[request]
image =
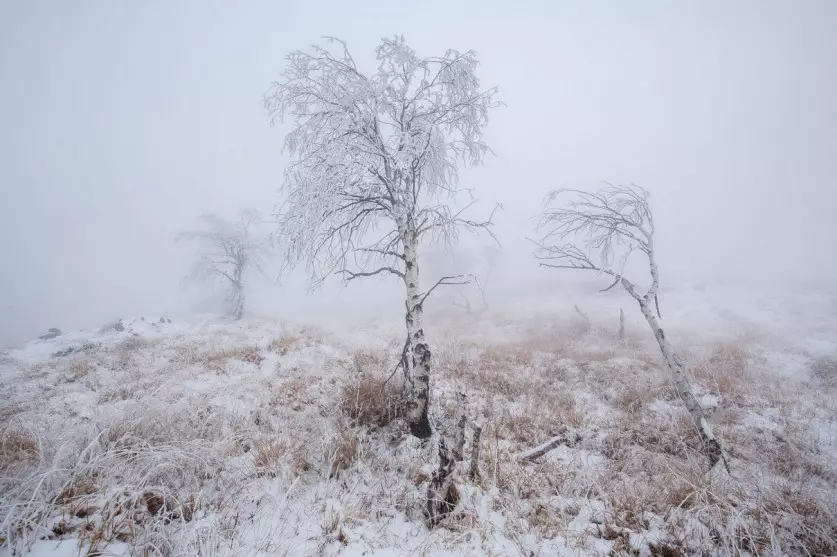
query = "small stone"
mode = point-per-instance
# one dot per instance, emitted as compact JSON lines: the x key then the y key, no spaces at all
{"x":51,"y":333}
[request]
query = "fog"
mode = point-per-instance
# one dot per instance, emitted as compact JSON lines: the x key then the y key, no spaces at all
{"x":122,"y":122}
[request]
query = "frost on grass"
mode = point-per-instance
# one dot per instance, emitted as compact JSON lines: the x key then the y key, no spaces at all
{"x":215,"y":438}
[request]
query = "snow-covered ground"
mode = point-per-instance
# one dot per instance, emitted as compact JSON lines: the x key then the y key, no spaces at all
{"x":199,"y":436}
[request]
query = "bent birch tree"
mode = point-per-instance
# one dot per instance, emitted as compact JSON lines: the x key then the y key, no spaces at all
{"x":374,"y":172}
{"x":608,"y":226}
{"x":229,"y":250}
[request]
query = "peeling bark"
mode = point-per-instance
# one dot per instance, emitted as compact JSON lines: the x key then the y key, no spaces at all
{"x":417,"y":353}
{"x":442,"y":494}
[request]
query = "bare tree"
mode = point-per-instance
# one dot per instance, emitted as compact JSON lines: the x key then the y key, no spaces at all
{"x":229,"y":250}
{"x":374,"y":172}
{"x":483,"y":261}
{"x":599,"y":232}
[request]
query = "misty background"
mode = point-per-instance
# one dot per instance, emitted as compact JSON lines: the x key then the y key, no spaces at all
{"x":120,"y":123}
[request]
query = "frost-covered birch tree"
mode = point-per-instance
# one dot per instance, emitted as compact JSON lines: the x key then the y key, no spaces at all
{"x":599,"y":232}
{"x":229,"y":250}
{"x":373,"y":173}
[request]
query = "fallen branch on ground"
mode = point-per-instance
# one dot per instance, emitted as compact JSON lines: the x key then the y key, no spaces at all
{"x":569,"y":439}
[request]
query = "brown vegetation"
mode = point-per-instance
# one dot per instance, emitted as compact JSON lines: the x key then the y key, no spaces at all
{"x":371,"y":401}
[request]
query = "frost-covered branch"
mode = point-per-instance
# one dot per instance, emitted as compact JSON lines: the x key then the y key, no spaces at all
{"x":373,"y":151}
{"x":373,"y":171}
{"x":444,"y":225}
{"x":350,"y":275}
{"x":611,"y":223}
{"x":452,"y":280}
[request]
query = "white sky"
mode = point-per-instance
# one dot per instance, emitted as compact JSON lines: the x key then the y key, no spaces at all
{"x":120,"y":122}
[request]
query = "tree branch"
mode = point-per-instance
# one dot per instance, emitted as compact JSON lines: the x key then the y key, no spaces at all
{"x":352,"y":275}
{"x":444,"y":281}
{"x":569,"y":439}
{"x":383,"y":252}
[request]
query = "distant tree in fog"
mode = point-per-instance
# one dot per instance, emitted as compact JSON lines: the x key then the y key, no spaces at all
{"x":483,"y":261}
{"x":374,"y":172}
{"x":229,"y":251}
{"x":599,"y":232}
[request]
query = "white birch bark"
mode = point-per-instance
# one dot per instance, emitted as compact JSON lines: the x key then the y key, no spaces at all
{"x":619,"y":217}
{"x":684,"y":389}
{"x":418,"y":352}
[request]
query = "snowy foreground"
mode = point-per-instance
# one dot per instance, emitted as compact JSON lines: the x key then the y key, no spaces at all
{"x":204,"y":437}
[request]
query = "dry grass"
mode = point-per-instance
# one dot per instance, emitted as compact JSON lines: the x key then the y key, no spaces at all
{"x":675,"y":437}
{"x":127,"y":351}
{"x":365,"y":360}
{"x":78,"y":487}
{"x":267,"y":457}
{"x":726,"y":368}
{"x":538,"y":417}
{"x":17,"y":445}
{"x":495,"y":369}
{"x":637,"y":467}
{"x":824,"y":369}
{"x":119,"y":392}
{"x":80,"y":367}
{"x":634,"y":399}
{"x":342,"y":452}
{"x":283,"y":344}
{"x":185,"y":353}
{"x":292,"y":392}
{"x":217,"y":359}
{"x":371,"y":401}
{"x":134,"y":343}
{"x":289,"y":342}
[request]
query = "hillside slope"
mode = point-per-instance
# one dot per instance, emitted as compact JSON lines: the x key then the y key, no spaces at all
{"x":206,"y":437}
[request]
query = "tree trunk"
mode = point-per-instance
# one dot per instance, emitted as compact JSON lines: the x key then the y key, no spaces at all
{"x":459,"y":441}
{"x":418,"y":355}
{"x":584,"y":318}
{"x":442,"y":494}
{"x":474,"y":472}
{"x":237,"y":301}
{"x":684,"y":389}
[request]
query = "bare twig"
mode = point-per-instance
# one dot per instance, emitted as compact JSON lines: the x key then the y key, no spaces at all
{"x":451,"y":280}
